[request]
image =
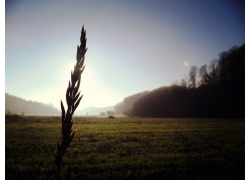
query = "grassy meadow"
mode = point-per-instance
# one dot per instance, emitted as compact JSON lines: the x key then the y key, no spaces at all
{"x":127,"y":148}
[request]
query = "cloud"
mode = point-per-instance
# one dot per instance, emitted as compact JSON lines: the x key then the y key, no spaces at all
{"x":185,"y":63}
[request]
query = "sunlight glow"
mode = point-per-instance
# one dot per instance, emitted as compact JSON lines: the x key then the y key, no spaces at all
{"x":95,"y":93}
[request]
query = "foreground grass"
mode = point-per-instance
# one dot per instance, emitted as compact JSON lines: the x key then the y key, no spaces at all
{"x":128,"y":148}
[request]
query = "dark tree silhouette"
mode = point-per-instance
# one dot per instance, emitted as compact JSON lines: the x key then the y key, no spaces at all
{"x":192,"y":76}
{"x":184,"y":83}
{"x":213,"y":71}
{"x":205,"y":78}
{"x":220,"y":94}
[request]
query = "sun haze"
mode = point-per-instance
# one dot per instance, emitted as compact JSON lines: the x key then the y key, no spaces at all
{"x":133,"y":46}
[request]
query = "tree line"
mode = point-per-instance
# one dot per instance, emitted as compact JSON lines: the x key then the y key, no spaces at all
{"x":216,"y":90}
{"x":128,"y":102}
{"x":16,"y":105}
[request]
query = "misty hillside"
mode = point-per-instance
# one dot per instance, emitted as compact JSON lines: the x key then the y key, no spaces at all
{"x":16,"y":105}
{"x":93,"y":111}
{"x":128,"y":102}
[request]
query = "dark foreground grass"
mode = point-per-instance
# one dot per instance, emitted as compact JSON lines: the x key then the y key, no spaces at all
{"x":128,"y":148}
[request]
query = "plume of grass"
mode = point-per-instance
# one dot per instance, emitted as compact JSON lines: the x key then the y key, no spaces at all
{"x":73,"y":99}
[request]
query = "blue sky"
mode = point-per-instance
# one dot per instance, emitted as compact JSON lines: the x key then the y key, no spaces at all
{"x":133,"y":46}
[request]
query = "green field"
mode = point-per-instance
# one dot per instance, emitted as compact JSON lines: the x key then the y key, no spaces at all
{"x":128,"y":148}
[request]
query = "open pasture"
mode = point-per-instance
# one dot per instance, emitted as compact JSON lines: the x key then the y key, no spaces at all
{"x":128,"y":148}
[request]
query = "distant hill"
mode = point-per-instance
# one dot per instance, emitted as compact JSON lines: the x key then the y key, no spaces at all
{"x":17,"y":105}
{"x":93,"y":111}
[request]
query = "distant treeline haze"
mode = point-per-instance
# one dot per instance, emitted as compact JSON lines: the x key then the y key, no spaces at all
{"x":220,"y":92}
{"x":16,"y":105}
{"x":128,"y":102}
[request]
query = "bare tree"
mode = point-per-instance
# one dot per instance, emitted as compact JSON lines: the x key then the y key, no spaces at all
{"x":192,"y":76}
{"x":214,"y":71}
{"x":184,"y":83}
{"x":203,"y":73}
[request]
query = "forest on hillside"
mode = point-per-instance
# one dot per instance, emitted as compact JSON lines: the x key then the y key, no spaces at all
{"x":16,"y":105}
{"x":216,"y":90}
{"x":128,"y":102}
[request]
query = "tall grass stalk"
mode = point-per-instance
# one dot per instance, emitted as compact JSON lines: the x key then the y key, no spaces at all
{"x":73,"y":99}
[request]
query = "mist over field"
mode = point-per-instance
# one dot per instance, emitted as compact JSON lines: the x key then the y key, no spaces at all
{"x":19,"y":106}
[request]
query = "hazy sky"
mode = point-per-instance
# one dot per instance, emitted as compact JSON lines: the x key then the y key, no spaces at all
{"x":133,"y":46}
